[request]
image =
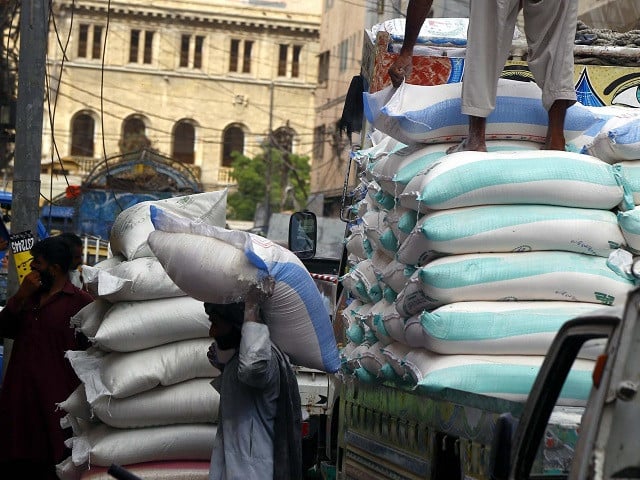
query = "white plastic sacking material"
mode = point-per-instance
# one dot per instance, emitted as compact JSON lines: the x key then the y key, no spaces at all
{"x":504,"y":376}
{"x":512,"y":228}
{"x":353,"y":327}
{"x":110,"y":262}
{"x":498,"y":328}
{"x":374,"y":226}
{"x":102,"y":445}
{"x":89,"y":318}
{"x":544,"y":177}
{"x":396,"y":274}
{"x":630,"y":174}
{"x":215,"y":265}
{"x":381,"y":199}
{"x":432,"y":114}
{"x":375,"y":321}
{"x":76,"y":405}
{"x":395,"y":353}
{"x":400,"y":166}
{"x":387,"y":323}
{"x":396,"y":170}
{"x":357,"y":243}
{"x":192,"y":401}
{"x":345,"y":357}
{"x":414,"y":334}
{"x":121,"y":375}
{"x":618,"y":140}
{"x":131,"y":326}
{"x":132,"y":226}
{"x":383,"y":144}
{"x":629,"y":222}
{"x":143,"y":278}
{"x":372,"y":360}
{"x":401,"y":220}
{"x":557,"y":276}
{"x":362,"y":283}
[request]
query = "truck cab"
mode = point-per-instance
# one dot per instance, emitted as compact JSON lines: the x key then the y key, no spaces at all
{"x":608,"y":443}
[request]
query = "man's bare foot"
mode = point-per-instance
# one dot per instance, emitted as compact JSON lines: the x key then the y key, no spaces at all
{"x":554,"y":143}
{"x":468,"y":145}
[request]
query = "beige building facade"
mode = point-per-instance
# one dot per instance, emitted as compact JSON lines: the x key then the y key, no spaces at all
{"x":197,"y":79}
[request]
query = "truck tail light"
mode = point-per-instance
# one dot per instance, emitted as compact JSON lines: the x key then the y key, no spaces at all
{"x":306,"y":428}
{"x":598,"y":370}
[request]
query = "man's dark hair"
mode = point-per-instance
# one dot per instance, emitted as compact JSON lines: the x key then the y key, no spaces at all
{"x":54,"y":250}
{"x":231,"y":312}
{"x":72,"y":239}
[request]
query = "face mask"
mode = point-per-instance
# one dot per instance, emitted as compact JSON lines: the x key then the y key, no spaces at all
{"x":230,"y":340}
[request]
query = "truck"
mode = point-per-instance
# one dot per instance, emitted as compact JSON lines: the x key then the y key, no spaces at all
{"x":384,"y":431}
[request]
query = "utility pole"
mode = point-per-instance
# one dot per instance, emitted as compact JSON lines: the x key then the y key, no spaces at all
{"x":34,"y":21}
{"x":269,"y":160}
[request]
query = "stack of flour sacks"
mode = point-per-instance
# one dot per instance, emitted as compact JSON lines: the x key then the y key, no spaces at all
{"x":464,"y":266}
{"x":145,"y":395}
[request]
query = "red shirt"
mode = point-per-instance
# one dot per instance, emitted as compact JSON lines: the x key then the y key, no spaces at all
{"x":38,"y":376}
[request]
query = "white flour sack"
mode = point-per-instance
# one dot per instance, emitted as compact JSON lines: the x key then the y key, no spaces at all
{"x":89,"y":318}
{"x":522,"y":276}
{"x":509,"y":377}
{"x":432,"y":114}
{"x":394,"y":171}
{"x":121,"y":375}
{"x":512,"y":228}
{"x":102,"y":445}
{"x":497,"y":328}
{"x":193,"y":401}
{"x":131,"y":326}
{"x":216,"y":265}
{"x":132,"y":226}
{"x":143,"y":278}
{"x":542,"y":177}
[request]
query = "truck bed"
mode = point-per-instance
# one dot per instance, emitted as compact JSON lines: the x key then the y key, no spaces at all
{"x":393,"y":433}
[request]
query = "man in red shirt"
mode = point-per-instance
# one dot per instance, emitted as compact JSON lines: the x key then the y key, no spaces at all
{"x":38,"y":375}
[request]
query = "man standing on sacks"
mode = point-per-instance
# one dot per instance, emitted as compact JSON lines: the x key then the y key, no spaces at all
{"x":259,"y":428}
{"x":550,"y":27}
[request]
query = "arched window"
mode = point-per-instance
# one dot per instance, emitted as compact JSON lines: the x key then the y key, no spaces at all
{"x":184,"y":141}
{"x":233,"y":141}
{"x":134,"y":137}
{"x":82,"y":131}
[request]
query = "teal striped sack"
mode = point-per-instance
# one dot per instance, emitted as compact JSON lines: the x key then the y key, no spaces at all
{"x":511,"y":228}
{"x":542,"y":177}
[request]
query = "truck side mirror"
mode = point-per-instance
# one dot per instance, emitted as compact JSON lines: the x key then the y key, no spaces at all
{"x":303,"y":234}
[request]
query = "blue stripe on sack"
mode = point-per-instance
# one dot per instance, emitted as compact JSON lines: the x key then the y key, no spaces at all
{"x":506,"y":379}
{"x":490,"y":172}
{"x":488,"y":268}
{"x":298,"y":279}
{"x":509,"y":110}
{"x":463,"y":223}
